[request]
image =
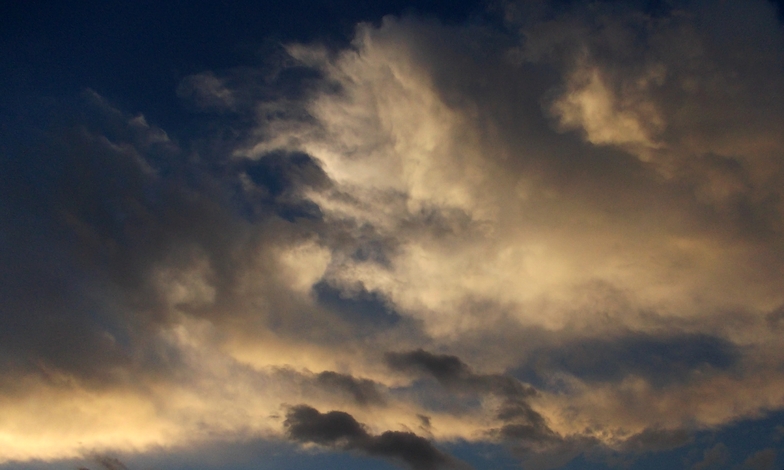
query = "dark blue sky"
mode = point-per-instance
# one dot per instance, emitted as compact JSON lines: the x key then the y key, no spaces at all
{"x":136,"y":53}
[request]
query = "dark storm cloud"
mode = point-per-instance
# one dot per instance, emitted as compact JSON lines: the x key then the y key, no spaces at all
{"x":340,"y":430}
{"x":662,"y":360}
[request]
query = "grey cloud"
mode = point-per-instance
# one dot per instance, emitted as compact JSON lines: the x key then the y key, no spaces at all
{"x":453,"y":373}
{"x":425,"y":420}
{"x":104,"y":209}
{"x":368,"y":310}
{"x":107,"y":463}
{"x":61,"y":223}
{"x":778,"y":433}
{"x":545,"y":450}
{"x":714,"y":457}
{"x":278,"y":181}
{"x":762,"y":460}
{"x":330,"y":385}
{"x":536,"y":433}
{"x":527,"y":433}
{"x":339,"y":429}
{"x":307,"y":424}
{"x":662,"y":360}
{"x":207,"y":91}
{"x":775,"y":317}
{"x":239,"y":91}
{"x":364,"y":391}
{"x":546,"y":454}
{"x":657,"y":439}
{"x":521,"y":422}
{"x":362,"y":242}
{"x":283,"y":173}
{"x":447,"y":369}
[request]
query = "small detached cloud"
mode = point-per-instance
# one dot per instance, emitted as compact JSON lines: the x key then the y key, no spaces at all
{"x":714,"y":457}
{"x":764,"y":459}
{"x":207,"y":91}
{"x":340,"y":430}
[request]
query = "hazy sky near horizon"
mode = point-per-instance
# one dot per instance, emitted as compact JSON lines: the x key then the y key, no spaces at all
{"x":419,"y":235}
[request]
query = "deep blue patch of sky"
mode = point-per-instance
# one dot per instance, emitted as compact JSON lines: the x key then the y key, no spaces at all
{"x":136,"y":53}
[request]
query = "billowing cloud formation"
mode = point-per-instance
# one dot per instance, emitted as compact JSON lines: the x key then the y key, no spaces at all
{"x":562,"y":234}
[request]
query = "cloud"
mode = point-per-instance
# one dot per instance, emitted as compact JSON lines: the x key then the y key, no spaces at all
{"x":450,"y":371}
{"x":714,"y":457}
{"x":341,"y":430}
{"x":362,"y":390}
{"x":110,"y":463}
{"x":762,"y":460}
{"x":775,"y":317}
{"x":664,"y":88}
{"x":207,"y":91}
{"x":654,"y":439}
{"x":519,"y":422}
{"x":583,"y":203}
{"x":660,"y":360}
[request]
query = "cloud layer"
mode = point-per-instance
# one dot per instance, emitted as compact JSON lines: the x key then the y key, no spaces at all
{"x":561,"y":233}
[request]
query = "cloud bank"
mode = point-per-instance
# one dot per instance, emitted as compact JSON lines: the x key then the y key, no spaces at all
{"x":561,"y":234}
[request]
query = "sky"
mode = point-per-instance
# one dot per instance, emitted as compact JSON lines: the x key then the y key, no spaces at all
{"x":419,"y":235}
